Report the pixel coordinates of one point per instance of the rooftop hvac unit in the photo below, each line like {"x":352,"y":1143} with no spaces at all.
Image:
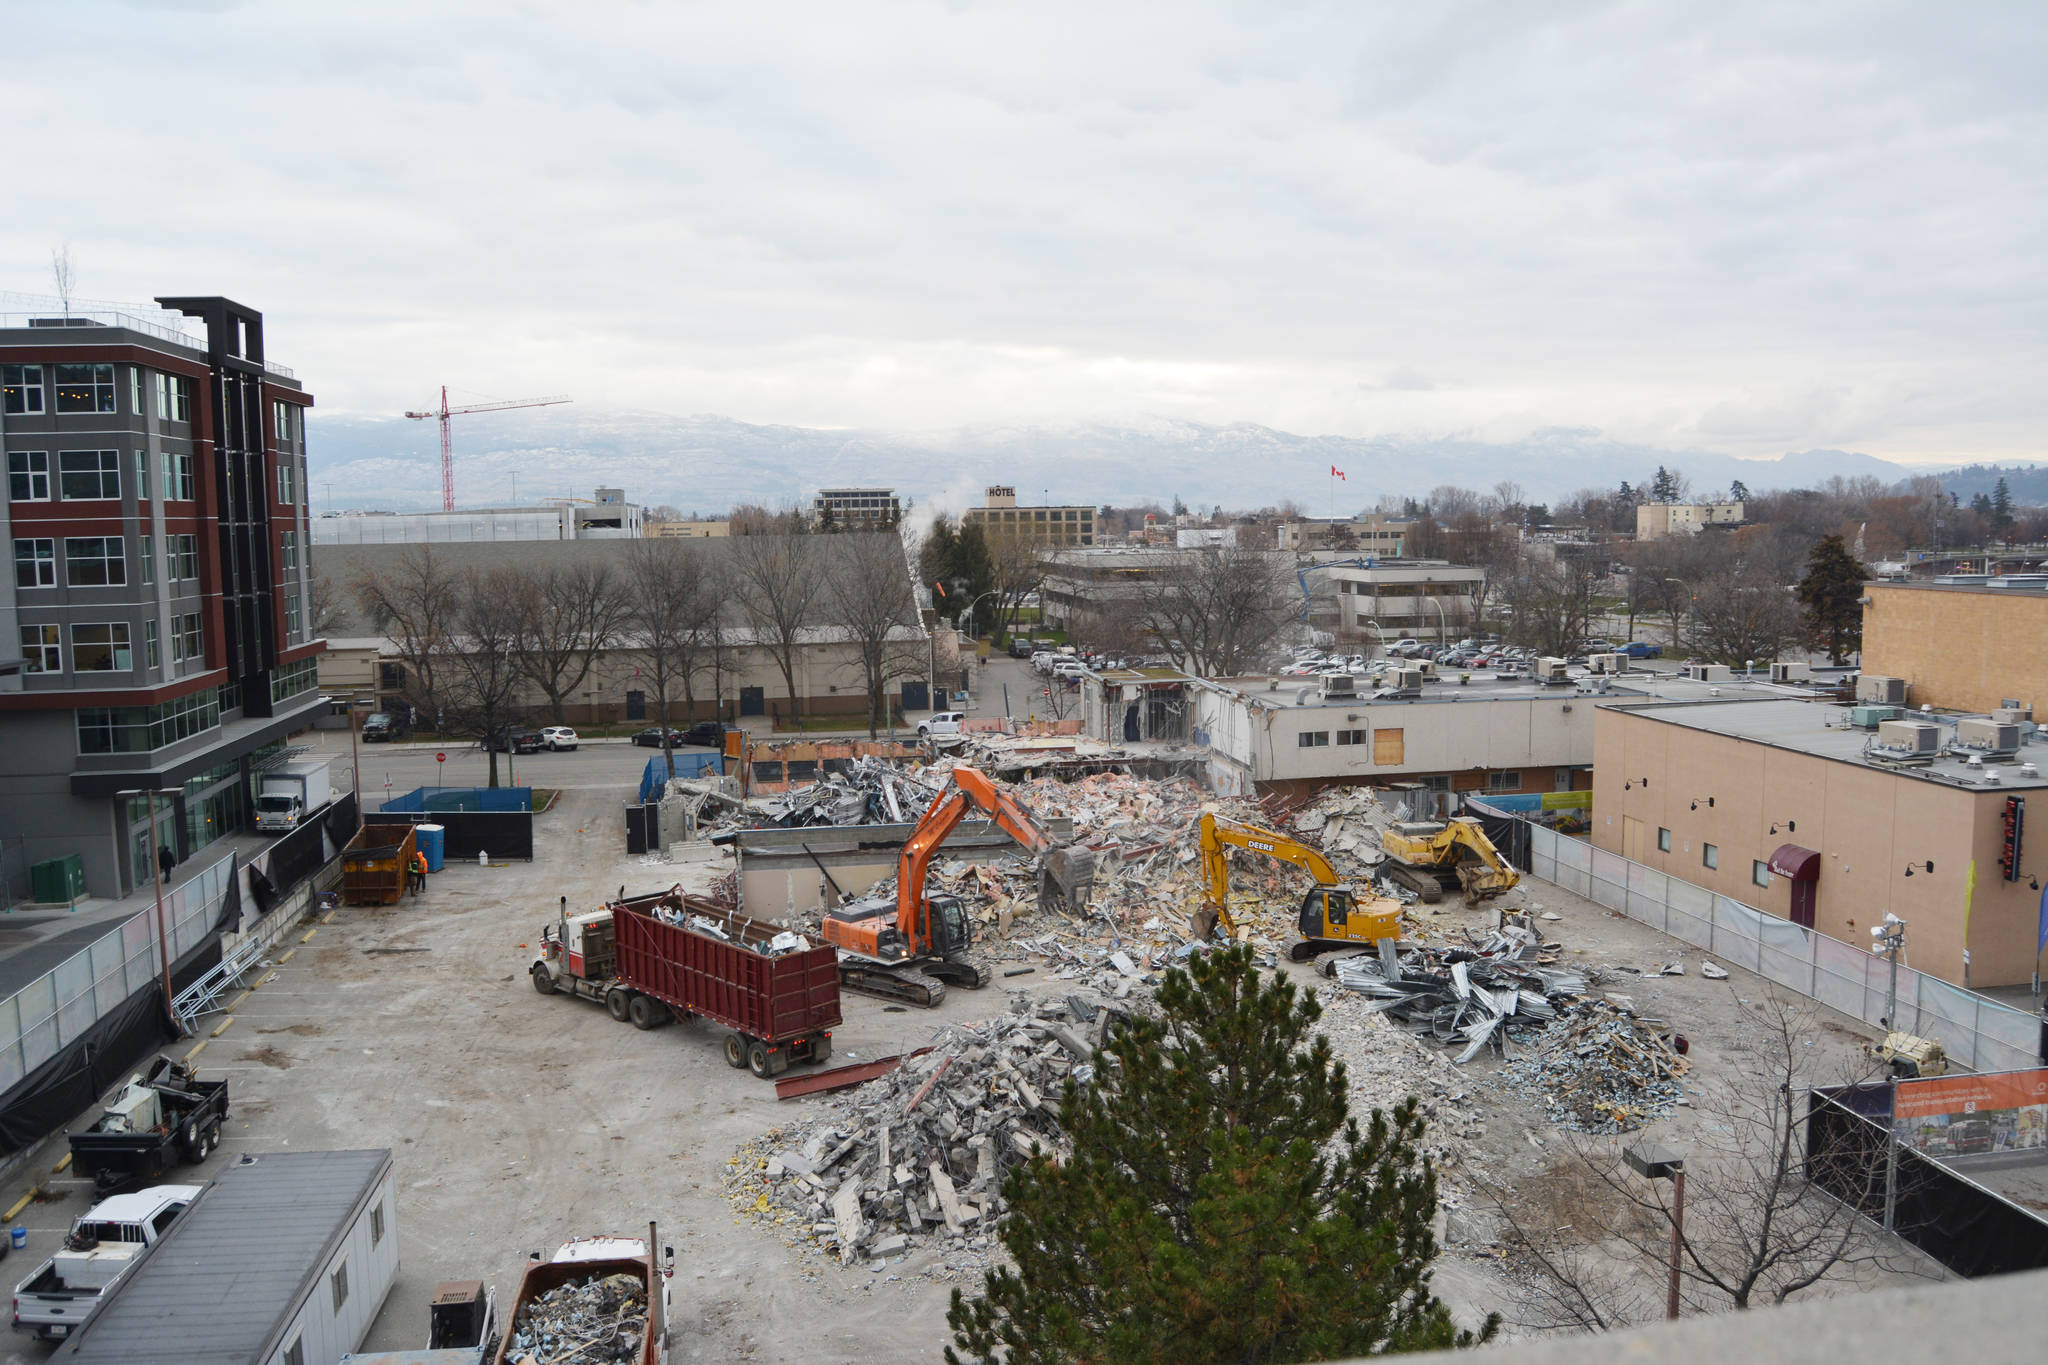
{"x":1916,"y":737}
{"x":1424,"y":668}
{"x":1869,"y":717}
{"x":1340,"y":685}
{"x":1408,"y":679}
{"x":1889,"y":691}
{"x":1709,"y":673}
{"x":1791,"y":673}
{"x":2012,"y":712}
{"x":1597,"y":684}
{"x":1607,"y":663}
{"x":1992,"y":738}
{"x":1550,"y":670}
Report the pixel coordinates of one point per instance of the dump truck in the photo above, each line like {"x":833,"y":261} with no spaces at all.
{"x":286,"y":795}
{"x":670,"y":955}
{"x":101,"y":1247}
{"x":160,"y":1117}
{"x":539,"y":1313}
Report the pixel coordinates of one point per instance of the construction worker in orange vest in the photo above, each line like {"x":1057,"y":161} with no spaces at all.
{"x":419,"y":872}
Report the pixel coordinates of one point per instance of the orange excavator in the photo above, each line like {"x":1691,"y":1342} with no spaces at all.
{"x":910,"y":947}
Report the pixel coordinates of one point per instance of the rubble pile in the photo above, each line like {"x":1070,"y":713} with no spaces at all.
{"x":919,"y":1155}
{"x":1605,"y":1071}
{"x":871,"y":791}
{"x":599,"y":1321}
{"x":1503,"y":987}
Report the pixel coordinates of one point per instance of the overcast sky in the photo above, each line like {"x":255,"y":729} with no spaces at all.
{"x":1749,"y":228}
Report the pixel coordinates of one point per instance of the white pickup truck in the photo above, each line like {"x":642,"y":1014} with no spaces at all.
{"x":102,"y":1245}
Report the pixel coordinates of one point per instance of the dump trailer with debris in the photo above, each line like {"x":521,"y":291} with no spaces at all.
{"x":1432,"y":856}
{"x":595,"y":1299}
{"x":160,"y":1118}
{"x":669,"y":955}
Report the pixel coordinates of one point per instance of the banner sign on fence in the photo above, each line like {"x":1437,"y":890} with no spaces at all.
{"x":1999,"y":1111}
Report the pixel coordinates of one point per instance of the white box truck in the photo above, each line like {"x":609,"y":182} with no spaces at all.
{"x":286,"y":795}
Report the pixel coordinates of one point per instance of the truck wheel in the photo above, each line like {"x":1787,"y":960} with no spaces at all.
{"x":190,"y":1142}
{"x":735,"y":1051}
{"x":646,"y":1012}
{"x":757,"y":1059}
{"x":617,"y":1001}
{"x":212,"y":1138}
{"x":542,"y":982}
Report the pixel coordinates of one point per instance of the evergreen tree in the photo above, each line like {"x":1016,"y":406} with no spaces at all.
{"x":1738,"y":491}
{"x":1980,"y":503}
{"x":1832,"y":593}
{"x":1220,"y":1204}
{"x":2001,"y":506}
{"x":1664,"y":488}
{"x":935,"y":561}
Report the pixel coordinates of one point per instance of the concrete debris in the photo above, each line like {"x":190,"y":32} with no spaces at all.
{"x":920,"y":1154}
{"x":598,"y":1321}
{"x":1713,"y":971}
{"x":1604,"y":1070}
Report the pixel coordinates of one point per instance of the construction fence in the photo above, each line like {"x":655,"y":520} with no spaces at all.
{"x":1978,"y":1033}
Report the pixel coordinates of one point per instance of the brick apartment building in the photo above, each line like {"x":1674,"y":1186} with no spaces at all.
{"x":157,"y":623}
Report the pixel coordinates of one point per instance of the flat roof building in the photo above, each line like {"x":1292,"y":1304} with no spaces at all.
{"x":1001,"y":519}
{"x":1658,"y":520}
{"x":857,"y":509}
{"x":1964,"y":646}
{"x":606,"y":516}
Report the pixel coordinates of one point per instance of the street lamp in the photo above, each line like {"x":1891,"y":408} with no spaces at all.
{"x":163,"y":938}
{"x":1889,"y":938}
{"x":1654,"y":1162}
{"x":968,"y":613}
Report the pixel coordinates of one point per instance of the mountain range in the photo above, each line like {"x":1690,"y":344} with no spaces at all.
{"x":708,"y":463}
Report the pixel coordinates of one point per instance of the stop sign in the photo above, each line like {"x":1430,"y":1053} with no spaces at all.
{"x":440,"y":758}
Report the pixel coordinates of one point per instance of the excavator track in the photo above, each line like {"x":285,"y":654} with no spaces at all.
{"x":1421,"y":881}
{"x":907,"y":985}
{"x":959,"y":971}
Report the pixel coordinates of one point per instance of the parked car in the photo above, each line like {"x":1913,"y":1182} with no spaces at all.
{"x":516,"y":739}
{"x":1640,"y":649}
{"x":940,"y":723}
{"x":708,"y":734}
{"x":650,"y":738}
{"x":558,"y":737}
{"x":381,"y":725}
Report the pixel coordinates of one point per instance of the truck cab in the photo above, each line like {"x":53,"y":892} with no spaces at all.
{"x":102,"y":1245}
{"x":279,"y":810}
{"x":577,"y":954}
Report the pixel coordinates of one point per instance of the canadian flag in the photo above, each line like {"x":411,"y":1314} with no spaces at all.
{"x":1337,"y":473}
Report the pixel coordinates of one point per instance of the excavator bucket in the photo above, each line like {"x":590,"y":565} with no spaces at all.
{"x":1482,"y":882}
{"x":1202,"y":924}
{"x":1066,"y":877}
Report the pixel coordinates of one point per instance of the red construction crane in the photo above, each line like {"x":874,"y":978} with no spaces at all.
{"x":444,"y":412}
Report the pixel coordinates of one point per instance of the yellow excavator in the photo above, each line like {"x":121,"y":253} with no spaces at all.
{"x":1431,"y":856}
{"x":1332,"y":914}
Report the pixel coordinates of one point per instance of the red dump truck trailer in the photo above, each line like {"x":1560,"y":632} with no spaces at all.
{"x":670,"y":955}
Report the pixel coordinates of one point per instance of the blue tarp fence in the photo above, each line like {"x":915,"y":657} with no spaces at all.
{"x":421,"y":800}
{"x":695,"y":763}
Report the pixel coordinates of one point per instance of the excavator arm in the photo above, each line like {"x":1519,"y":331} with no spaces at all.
{"x":1065,"y":870}
{"x":1217,"y":834}
{"x":1494,"y":874}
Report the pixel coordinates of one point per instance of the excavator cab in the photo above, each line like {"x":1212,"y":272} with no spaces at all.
{"x":1334,"y":915}
{"x":1324,"y":911}
{"x":948,"y":923}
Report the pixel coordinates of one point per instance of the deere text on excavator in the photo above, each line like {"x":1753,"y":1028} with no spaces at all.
{"x":1431,"y":856}
{"x":1332,"y":915}
{"x":911,"y":946}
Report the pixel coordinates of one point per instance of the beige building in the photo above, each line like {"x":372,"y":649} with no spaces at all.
{"x":686,"y":530}
{"x":1965,"y":647}
{"x":1002,"y":519}
{"x":1427,"y":599}
{"x":1355,"y":535}
{"x":857,"y":508}
{"x":1788,"y":806}
{"x":1656,"y":520}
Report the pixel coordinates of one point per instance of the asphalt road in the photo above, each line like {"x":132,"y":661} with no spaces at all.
{"x":612,"y":763}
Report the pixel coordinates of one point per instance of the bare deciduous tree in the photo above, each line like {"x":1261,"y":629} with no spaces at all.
{"x":479,"y":675}
{"x":778,"y":583}
{"x":1744,"y":612}
{"x":1217,"y":611}
{"x":414,"y":603}
{"x":1553,"y":603}
{"x":869,"y":594}
{"x":674,"y":621}
{"x":570,"y":615}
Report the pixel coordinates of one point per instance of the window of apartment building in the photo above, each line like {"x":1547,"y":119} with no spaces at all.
{"x":84,"y":388}
{"x":35,"y":563}
{"x":1663,"y":839}
{"x":139,"y":729}
{"x":1389,"y":747}
{"x":188,"y":638}
{"x":183,"y":552}
{"x":288,"y":554}
{"x":294,"y":623}
{"x":95,"y":561}
{"x":1351,"y":736}
{"x":1710,"y":855}
{"x":177,"y":477}
{"x":147,"y":575}
{"x":43,"y":647}
{"x":101,"y":648}
{"x":1313,"y":739}
{"x":28,"y":475}
{"x":89,"y":475}
{"x":173,"y":398}
{"x":284,"y":483}
{"x":1504,"y":782}
{"x":152,"y":646}
{"x":21,"y":390}
{"x":281,"y":418}
{"x":1760,"y":873}
{"x":135,"y":390}
{"x":142,"y":476}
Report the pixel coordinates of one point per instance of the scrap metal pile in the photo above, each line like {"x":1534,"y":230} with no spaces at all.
{"x":599,"y":1321}
{"x":920,"y":1153}
{"x":1604,"y":1071}
{"x":1503,"y":987}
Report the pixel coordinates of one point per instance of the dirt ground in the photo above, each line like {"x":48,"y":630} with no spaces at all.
{"x":519,"y":1120}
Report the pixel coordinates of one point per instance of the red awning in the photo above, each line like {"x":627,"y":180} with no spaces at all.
{"x":1796,"y":863}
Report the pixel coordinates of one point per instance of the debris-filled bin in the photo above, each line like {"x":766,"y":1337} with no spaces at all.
{"x":374,"y":864}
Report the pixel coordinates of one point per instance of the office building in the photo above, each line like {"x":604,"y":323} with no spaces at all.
{"x":1002,"y":520}
{"x":857,"y":509}
{"x":159,"y":607}
{"x":1657,"y":520}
